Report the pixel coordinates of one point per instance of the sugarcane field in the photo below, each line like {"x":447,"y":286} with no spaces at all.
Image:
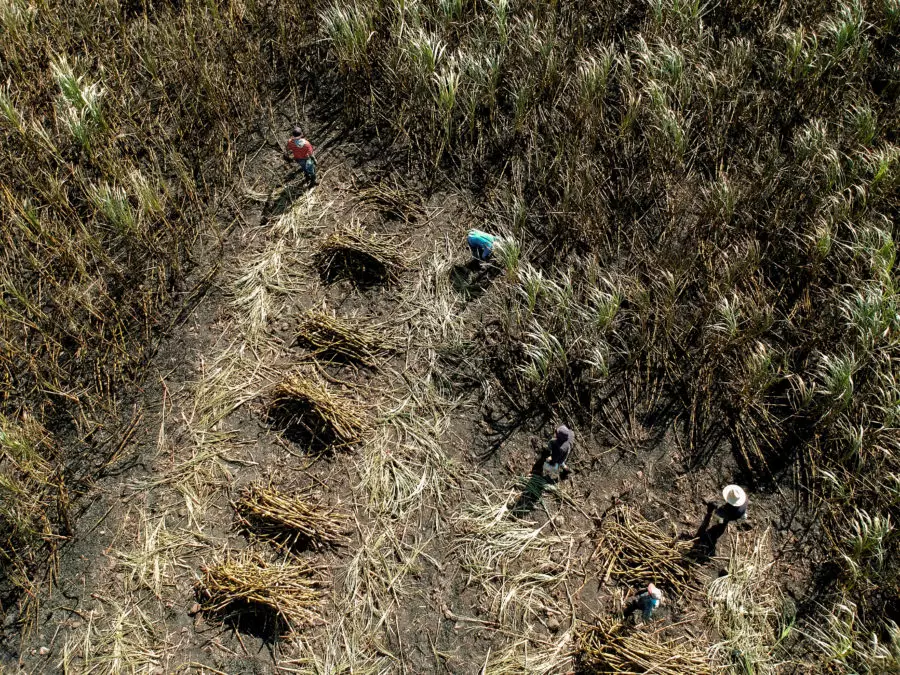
{"x":466,"y":337}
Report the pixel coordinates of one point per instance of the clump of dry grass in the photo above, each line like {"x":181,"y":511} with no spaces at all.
{"x":744,"y":609}
{"x":524,"y":657}
{"x":284,"y":595}
{"x":292,"y":520}
{"x":341,"y":339}
{"x":612,"y":647}
{"x":34,"y":503}
{"x":351,"y":253}
{"x":631,"y":548}
{"x":311,"y":413}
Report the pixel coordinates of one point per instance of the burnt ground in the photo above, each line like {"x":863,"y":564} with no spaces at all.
{"x":428,"y":582}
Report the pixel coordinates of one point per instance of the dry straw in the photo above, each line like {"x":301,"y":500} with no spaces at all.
{"x":366,"y":259}
{"x":612,"y":648}
{"x":340,"y":339}
{"x":311,"y":413}
{"x":285,"y":595}
{"x":292,"y":520}
{"x":396,"y":200}
{"x":633,"y":549}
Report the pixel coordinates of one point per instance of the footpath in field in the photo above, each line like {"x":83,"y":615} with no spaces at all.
{"x":311,"y":492}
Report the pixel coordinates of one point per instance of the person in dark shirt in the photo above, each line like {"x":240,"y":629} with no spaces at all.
{"x":559,"y":448}
{"x":735,"y":507}
{"x":714,"y":525}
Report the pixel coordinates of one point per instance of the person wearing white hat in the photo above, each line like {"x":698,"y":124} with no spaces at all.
{"x":735,"y":507}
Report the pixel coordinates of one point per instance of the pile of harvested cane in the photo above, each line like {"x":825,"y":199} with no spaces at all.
{"x":291,"y":520}
{"x":612,"y":647}
{"x":309,"y":412}
{"x":352,"y":254}
{"x":396,"y":200}
{"x":340,"y":339}
{"x":284,"y":594}
{"x":630,"y":548}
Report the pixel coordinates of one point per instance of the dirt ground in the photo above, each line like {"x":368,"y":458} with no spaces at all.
{"x":429,"y":581}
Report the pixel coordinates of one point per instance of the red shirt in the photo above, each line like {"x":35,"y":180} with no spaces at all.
{"x":300,"y":148}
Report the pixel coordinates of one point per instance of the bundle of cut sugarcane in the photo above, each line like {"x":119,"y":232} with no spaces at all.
{"x":612,"y":648}
{"x":290,"y":520}
{"x":289,"y":592}
{"x":301,"y":403}
{"x":352,"y":254}
{"x":396,"y":199}
{"x":339,"y":338}
{"x":631,"y":548}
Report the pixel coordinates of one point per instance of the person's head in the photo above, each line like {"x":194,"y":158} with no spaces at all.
{"x":654,"y":592}
{"x":563,"y":433}
{"x":296,"y":132}
{"x":734,"y":495}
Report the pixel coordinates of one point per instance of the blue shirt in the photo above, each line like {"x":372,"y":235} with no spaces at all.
{"x":479,"y":239}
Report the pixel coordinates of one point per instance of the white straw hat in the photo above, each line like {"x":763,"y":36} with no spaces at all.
{"x":654,"y":591}
{"x":734,"y":495}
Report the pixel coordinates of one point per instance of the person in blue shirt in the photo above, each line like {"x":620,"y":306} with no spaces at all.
{"x":647,"y":601}
{"x":481,"y":244}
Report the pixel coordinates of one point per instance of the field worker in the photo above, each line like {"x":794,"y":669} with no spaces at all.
{"x":301,"y":151}
{"x":481,"y":244}
{"x":735,"y":507}
{"x":647,"y":601}
{"x":559,"y":447}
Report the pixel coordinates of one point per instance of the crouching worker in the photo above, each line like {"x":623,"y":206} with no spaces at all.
{"x":559,"y":447}
{"x":735,"y":507}
{"x":647,"y":602}
{"x":481,"y":244}
{"x":302,"y":152}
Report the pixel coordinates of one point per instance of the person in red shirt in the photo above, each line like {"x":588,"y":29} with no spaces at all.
{"x":300,"y":150}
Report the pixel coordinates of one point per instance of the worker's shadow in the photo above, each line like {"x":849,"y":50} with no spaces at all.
{"x":707,"y":538}
{"x":472,"y":279}
{"x":532,"y":490}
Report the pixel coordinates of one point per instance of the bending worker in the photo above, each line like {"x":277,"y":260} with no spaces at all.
{"x":481,"y":244}
{"x":735,"y":507}
{"x":559,"y":447}
{"x":647,"y":601}
{"x":302,"y":152}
